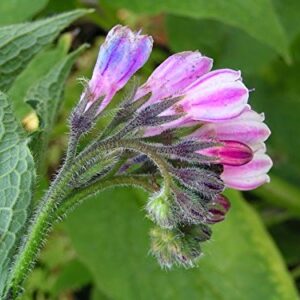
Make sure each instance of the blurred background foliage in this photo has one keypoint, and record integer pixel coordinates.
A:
(101, 250)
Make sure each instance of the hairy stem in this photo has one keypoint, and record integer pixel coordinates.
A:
(41, 222)
(72, 147)
(130, 144)
(53, 206)
(78, 197)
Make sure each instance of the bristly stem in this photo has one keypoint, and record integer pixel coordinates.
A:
(41, 221)
(52, 205)
(78, 197)
(72, 147)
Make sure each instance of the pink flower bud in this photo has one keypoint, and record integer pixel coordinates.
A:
(120, 56)
(217, 209)
(247, 128)
(249, 176)
(174, 75)
(216, 96)
(229, 153)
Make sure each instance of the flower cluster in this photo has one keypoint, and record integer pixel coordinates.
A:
(188, 131)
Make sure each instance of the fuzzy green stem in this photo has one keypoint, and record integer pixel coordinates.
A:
(46, 214)
(42, 221)
(78, 197)
(72, 147)
(130, 144)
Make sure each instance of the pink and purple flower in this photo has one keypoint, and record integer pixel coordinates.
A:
(120, 56)
(224, 146)
(217, 102)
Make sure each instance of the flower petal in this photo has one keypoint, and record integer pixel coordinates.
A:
(120, 56)
(250, 132)
(216, 96)
(250, 175)
(229, 153)
(184, 121)
(175, 74)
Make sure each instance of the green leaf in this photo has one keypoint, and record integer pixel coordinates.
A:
(98, 295)
(277, 94)
(257, 18)
(110, 234)
(288, 11)
(20, 43)
(288, 239)
(73, 276)
(16, 179)
(281, 194)
(15, 11)
(37, 68)
(46, 97)
(228, 46)
(183, 34)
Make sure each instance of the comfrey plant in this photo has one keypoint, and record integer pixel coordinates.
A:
(184, 136)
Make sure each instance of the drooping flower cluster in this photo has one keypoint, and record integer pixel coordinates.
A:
(188, 131)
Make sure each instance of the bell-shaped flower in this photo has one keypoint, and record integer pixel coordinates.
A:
(230, 153)
(248, 176)
(216, 96)
(207, 96)
(247, 128)
(173, 76)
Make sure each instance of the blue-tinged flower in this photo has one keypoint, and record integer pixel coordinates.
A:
(120, 56)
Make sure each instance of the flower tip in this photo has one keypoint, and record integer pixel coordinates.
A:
(159, 210)
(229, 153)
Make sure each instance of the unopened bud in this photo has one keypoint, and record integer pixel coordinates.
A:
(229, 153)
(160, 211)
(181, 247)
(31, 122)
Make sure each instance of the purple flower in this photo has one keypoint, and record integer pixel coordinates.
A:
(247, 129)
(216, 96)
(248, 176)
(216, 100)
(229, 153)
(213, 96)
(174, 75)
(120, 56)
(188, 170)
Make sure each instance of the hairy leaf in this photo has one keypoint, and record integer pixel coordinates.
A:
(16, 179)
(46, 96)
(37, 68)
(19, 43)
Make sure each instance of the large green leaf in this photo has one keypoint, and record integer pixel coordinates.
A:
(288, 10)
(19, 43)
(15, 11)
(287, 236)
(228, 46)
(73, 276)
(257, 18)
(16, 179)
(46, 97)
(281, 194)
(277, 93)
(110, 234)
